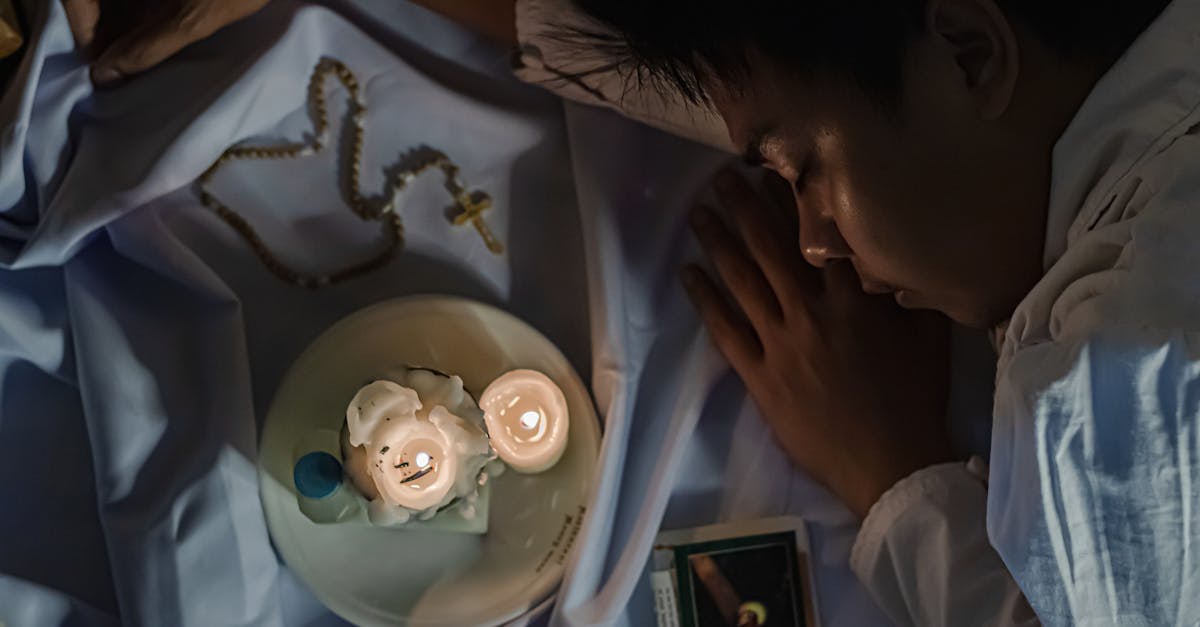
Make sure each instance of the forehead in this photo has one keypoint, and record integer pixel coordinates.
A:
(769, 104)
(746, 109)
(765, 105)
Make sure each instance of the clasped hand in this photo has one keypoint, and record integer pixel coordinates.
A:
(852, 385)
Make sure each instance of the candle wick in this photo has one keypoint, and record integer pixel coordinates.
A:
(418, 475)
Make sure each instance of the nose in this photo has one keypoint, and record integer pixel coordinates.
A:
(820, 239)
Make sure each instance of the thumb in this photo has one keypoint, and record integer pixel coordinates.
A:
(82, 16)
(141, 49)
(160, 38)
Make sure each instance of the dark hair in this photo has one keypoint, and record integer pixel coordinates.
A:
(677, 46)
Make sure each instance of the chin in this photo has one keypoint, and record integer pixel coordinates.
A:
(967, 316)
(973, 318)
(971, 322)
(973, 311)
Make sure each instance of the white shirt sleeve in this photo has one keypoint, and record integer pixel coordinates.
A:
(543, 58)
(924, 555)
(1095, 486)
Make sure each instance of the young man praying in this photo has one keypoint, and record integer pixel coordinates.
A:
(1027, 166)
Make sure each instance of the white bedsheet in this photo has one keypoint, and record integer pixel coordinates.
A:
(141, 340)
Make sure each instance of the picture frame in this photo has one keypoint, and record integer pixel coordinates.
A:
(749, 573)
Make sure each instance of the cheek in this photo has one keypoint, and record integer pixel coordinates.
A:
(905, 240)
(882, 241)
(879, 216)
(861, 184)
(884, 187)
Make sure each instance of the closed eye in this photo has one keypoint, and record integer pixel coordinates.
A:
(401, 465)
(799, 177)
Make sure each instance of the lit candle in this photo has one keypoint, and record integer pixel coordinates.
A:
(415, 464)
(527, 420)
(408, 452)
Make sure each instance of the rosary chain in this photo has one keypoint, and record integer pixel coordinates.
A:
(471, 205)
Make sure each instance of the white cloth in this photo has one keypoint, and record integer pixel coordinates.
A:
(141, 340)
(1094, 500)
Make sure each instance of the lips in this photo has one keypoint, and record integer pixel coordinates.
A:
(905, 299)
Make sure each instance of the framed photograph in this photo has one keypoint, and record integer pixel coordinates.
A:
(746, 574)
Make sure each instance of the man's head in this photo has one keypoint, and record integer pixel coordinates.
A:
(917, 133)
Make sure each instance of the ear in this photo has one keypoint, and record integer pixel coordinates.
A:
(984, 47)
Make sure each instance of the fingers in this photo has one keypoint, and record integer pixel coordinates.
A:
(144, 47)
(737, 270)
(82, 17)
(168, 33)
(775, 252)
(729, 331)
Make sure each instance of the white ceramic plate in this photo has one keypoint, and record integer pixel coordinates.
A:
(379, 576)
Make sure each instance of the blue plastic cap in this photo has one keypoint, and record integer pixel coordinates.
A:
(317, 475)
